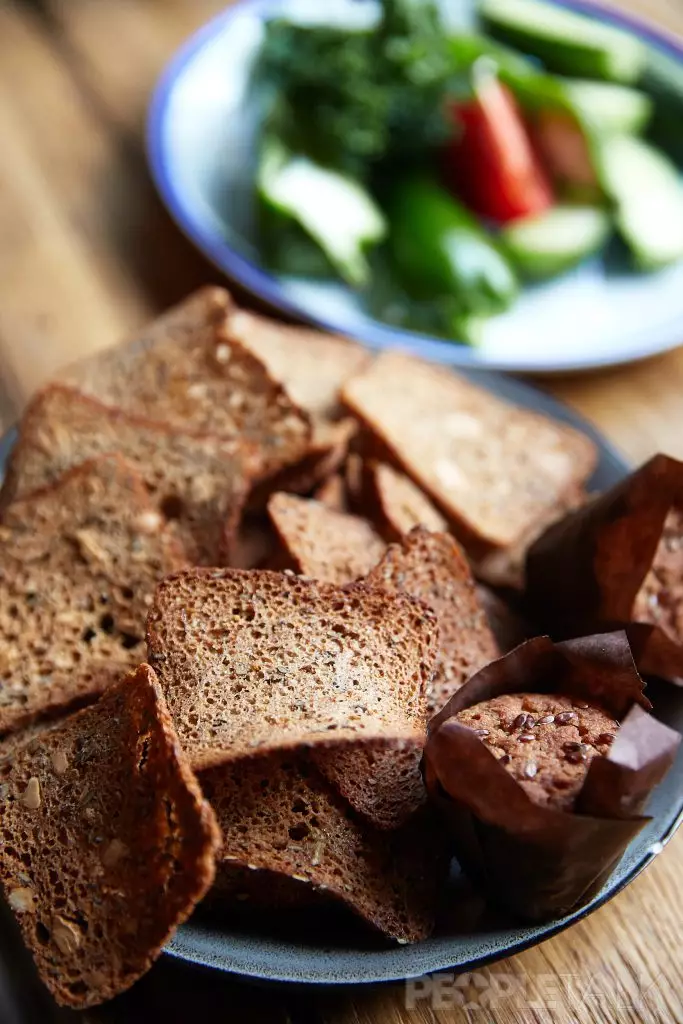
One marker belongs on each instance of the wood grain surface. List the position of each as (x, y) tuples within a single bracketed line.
[(87, 253)]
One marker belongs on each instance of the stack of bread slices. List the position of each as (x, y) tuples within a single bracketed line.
[(237, 578)]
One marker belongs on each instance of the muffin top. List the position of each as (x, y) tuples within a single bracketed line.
[(546, 741), (660, 598)]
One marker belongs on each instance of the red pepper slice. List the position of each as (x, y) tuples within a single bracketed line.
[(491, 164)]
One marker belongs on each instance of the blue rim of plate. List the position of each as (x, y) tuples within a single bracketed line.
[(265, 286)]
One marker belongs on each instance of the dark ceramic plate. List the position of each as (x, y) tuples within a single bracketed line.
[(329, 948)]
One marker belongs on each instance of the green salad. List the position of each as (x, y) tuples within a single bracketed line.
[(435, 172)]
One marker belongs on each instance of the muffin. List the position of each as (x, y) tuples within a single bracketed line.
[(540, 787), (620, 563), (545, 741), (660, 598)]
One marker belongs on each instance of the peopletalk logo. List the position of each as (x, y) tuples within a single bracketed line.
[(545, 991)]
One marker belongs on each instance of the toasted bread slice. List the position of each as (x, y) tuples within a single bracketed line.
[(280, 817), (507, 567), (80, 561), (311, 365), (395, 504), (433, 568), (332, 493), (28, 737), (200, 482), (325, 455), (255, 544), (321, 543), (494, 470), (187, 372), (108, 842), (257, 661)]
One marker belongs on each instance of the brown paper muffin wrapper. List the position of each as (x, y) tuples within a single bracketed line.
[(536, 861), (584, 572)]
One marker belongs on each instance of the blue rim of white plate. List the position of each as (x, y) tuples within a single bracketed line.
[(260, 283)]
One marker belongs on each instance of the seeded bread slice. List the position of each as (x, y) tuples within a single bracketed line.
[(319, 542), (332, 493), (187, 372), (199, 482), (255, 544), (433, 568), (108, 843), (494, 470), (257, 661), (311, 365), (278, 815), (325, 455), (507, 567), (395, 504), (79, 562)]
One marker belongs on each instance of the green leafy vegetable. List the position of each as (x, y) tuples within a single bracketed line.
[(349, 99)]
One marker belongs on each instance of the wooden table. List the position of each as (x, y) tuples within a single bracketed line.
[(86, 255)]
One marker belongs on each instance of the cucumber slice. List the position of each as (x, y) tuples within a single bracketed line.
[(335, 211), (663, 80), (553, 242), (647, 192), (609, 107), (566, 42)]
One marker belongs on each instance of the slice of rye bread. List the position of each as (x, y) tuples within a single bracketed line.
[(433, 568), (493, 469), (319, 542), (253, 661), (332, 493), (326, 454), (279, 816), (311, 365), (507, 567), (353, 479), (108, 843), (187, 372), (199, 482), (249, 891), (79, 564), (395, 504), (255, 543), (28, 737)]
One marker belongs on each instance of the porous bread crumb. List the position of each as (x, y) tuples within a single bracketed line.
[(432, 567), (321, 543), (121, 849)]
